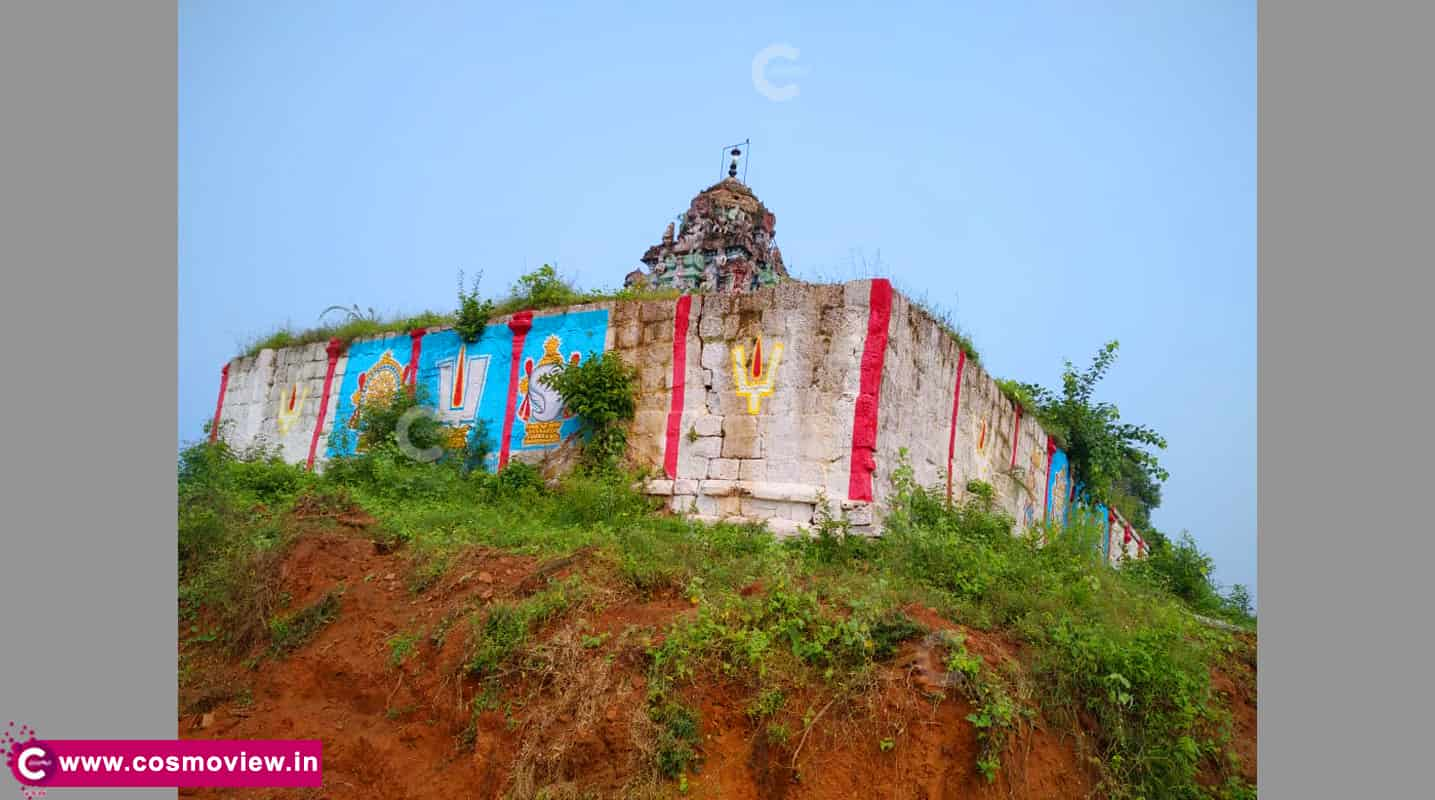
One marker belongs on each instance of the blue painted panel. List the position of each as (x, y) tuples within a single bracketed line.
[(541, 420), (380, 364), (1058, 487)]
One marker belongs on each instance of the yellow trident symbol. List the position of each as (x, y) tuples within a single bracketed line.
[(291, 405), (757, 380)]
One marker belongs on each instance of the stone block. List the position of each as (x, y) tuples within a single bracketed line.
[(708, 425), (718, 506), (629, 334), (717, 488), (723, 469), (715, 354), (710, 326), (857, 513), (706, 446), (740, 437), (685, 486)]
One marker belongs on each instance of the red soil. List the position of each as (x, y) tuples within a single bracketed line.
[(582, 726)]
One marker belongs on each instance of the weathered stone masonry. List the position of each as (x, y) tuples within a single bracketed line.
[(760, 398), (776, 404)]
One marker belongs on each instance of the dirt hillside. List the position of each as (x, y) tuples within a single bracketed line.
[(384, 685)]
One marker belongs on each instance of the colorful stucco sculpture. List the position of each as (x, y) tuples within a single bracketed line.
[(724, 243)]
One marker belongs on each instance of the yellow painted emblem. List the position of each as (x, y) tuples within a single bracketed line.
[(756, 379)]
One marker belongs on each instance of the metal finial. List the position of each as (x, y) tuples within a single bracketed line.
[(735, 153)]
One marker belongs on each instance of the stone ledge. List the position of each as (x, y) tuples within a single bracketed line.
[(761, 490), (782, 528)]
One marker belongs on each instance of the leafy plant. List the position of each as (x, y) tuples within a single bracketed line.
[(1112, 653), (401, 646), (473, 310), (1112, 459), (984, 492), (602, 391), (291, 632), (678, 737), (1017, 393), (543, 288)]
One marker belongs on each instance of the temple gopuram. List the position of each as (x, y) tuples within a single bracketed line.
[(724, 243)]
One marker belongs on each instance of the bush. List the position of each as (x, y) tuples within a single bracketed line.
[(543, 288), (1106, 642), (601, 391), (473, 311)]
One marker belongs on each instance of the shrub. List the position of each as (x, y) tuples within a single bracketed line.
[(473, 311), (602, 392), (543, 288), (289, 633), (518, 477), (678, 735), (1110, 457)]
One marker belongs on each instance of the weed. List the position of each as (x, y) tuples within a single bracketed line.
[(401, 646), (886, 745), (767, 704), (678, 737), (983, 492), (995, 711), (777, 733), (357, 325), (289, 633), (505, 627), (473, 311), (595, 641)]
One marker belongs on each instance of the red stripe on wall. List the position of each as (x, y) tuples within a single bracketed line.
[(334, 348), (1015, 434), (521, 323), (864, 418), (1050, 454), (411, 370), (956, 406), (219, 406), (680, 373)]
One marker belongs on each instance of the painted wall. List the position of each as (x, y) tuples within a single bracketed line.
[(496, 381), (777, 405)]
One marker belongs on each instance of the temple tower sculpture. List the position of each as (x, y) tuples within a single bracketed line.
[(724, 243)]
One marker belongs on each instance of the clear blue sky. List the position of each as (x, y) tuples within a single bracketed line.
[(1055, 174)]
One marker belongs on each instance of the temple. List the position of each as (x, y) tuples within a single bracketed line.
[(724, 243)]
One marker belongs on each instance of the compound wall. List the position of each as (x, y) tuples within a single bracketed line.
[(777, 405)]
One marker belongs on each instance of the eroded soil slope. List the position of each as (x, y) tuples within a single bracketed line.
[(384, 684)]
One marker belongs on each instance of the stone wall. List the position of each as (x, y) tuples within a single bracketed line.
[(776, 405)]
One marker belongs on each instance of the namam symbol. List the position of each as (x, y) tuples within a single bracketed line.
[(757, 379), (291, 405)]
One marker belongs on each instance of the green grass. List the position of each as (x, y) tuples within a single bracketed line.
[(347, 331), (1099, 643), (501, 630), (290, 632), (401, 647), (540, 289)]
